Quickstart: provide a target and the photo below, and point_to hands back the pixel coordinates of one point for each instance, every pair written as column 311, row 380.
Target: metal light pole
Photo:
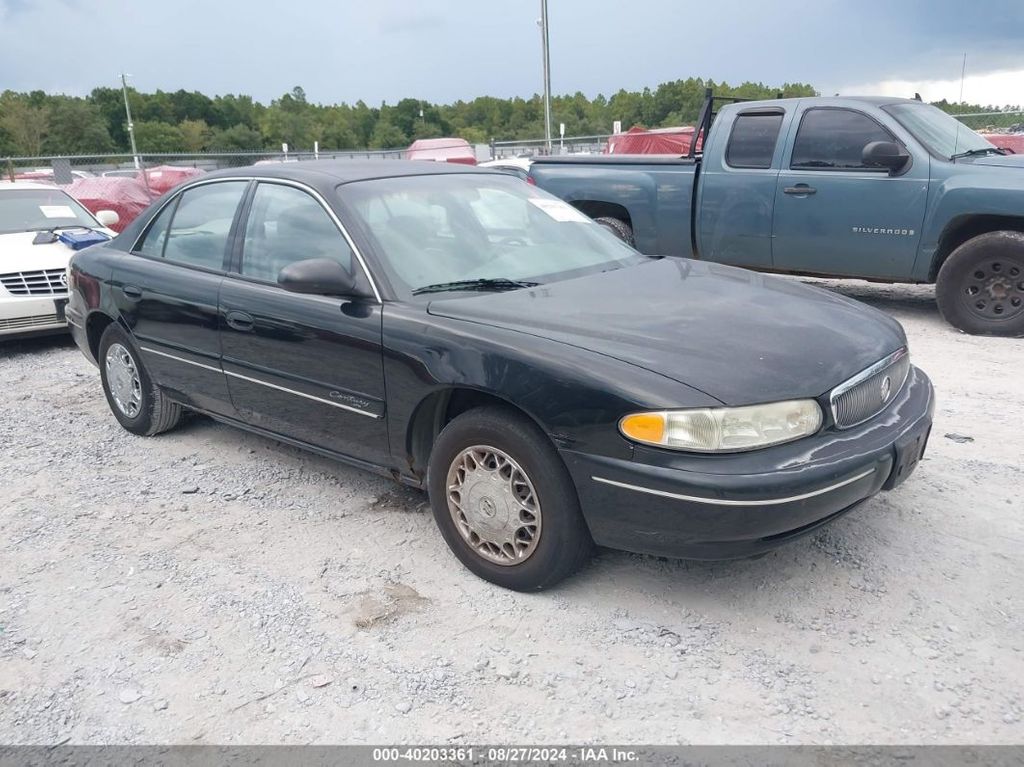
column 131, row 125
column 546, row 48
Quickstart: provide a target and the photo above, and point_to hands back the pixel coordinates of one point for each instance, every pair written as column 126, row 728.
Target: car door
column 834, row 215
column 306, row 367
column 737, row 191
column 168, row 290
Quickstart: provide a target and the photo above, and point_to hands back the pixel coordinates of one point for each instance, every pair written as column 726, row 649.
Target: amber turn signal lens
column 644, row 427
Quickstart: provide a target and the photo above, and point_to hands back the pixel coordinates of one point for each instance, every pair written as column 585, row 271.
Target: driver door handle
column 240, row 321
column 131, row 292
column 800, row 189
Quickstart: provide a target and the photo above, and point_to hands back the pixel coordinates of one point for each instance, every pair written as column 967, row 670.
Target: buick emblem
column 885, row 389
column 64, row 279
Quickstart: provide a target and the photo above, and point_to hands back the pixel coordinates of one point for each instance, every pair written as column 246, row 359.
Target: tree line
column 37, row 123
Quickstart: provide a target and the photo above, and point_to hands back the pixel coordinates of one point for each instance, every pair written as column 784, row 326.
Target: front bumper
column 731, row 506
column 31, row 315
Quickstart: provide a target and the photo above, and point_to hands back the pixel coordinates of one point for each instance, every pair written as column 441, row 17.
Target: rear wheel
column 136, row 402
column 504, row 501
column 980, row 288
column 618, row 227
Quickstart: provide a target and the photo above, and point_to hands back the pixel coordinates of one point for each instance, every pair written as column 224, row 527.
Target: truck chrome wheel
column 994, row 289
column 494, row 505
column 123, row 380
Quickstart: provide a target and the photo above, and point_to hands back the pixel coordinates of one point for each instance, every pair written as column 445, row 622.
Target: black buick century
column 463, row 332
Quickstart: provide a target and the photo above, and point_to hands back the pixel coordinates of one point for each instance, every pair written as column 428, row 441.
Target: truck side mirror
column 885, row 154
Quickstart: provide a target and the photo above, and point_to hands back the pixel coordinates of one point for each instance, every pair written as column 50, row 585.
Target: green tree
column 388, row 136
column 237, row 137
column 195, row 135
column 76, row 127
column 158, row 137
column 26, row 126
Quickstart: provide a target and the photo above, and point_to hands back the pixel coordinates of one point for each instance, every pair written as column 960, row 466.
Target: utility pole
column 546, row 49
column 131, row 125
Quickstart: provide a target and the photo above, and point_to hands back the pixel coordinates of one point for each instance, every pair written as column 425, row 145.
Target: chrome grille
column 867, row 394
column 45, row 282
column 29, row 322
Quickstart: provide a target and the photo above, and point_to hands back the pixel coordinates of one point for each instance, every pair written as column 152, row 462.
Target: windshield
column 942, row 134
column 31, row 210
column 490, row 230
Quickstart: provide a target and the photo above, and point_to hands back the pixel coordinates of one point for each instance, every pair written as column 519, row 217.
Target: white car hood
column 18, row 254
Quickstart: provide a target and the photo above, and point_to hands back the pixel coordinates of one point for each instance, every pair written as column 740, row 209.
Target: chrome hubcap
column 123, row 380
column 494, row 505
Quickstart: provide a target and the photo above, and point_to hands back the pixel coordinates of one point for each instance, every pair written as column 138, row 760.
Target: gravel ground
column 210, row 586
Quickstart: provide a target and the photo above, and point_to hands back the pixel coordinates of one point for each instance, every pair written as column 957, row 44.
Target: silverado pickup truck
column 883, row 189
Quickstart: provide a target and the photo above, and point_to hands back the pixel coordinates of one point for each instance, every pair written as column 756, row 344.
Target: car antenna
column 960, row 106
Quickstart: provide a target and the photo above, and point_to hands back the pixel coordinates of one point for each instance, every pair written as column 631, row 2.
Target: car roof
column 317, row 172
column 877, row 101
column 29, row 185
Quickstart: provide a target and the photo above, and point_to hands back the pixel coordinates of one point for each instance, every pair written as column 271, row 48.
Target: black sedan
column 466, row 333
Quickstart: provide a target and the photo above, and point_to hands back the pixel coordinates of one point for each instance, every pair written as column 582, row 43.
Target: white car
column 514, row 166
column 33, row 261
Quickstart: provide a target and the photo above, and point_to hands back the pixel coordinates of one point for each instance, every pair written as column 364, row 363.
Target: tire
column 553, row 546
column 980, row 287
column 136, row 402
column 619, row 228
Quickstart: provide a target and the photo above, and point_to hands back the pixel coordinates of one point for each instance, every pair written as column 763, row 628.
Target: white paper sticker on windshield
column 558, row 210
column 56, row 211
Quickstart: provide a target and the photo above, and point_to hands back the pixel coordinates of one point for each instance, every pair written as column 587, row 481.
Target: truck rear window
column 752, row 142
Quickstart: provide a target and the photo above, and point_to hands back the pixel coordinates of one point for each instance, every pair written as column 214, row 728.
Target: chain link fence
column 993, row 122
column 538, row 147
column 65, row 168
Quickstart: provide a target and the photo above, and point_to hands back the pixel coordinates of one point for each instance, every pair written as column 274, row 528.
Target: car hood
column 998, row 160
column 18, row 254
column 738, row 336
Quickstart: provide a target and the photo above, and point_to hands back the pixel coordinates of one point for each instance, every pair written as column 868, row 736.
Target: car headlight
column 727, row 429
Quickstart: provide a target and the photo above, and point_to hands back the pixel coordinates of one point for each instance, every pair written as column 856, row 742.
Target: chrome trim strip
column 862, row 376
column 285, row 182
column 724, row 502
column 261, row 383
column 303, row 394
column 181, row 359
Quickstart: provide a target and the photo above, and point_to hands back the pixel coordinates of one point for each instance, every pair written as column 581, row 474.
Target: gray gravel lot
column 213, row 586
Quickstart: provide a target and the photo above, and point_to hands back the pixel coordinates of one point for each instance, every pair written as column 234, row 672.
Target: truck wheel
column 618, row 227
column 980, row 288
column 504, row 501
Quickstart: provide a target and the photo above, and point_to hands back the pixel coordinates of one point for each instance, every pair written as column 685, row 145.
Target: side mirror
column 318, row 276
column 108, row 217
column 885, row 154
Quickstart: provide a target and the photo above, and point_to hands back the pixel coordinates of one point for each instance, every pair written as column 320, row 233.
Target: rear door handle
column 240, row 321
column 800, row 189
column 132, row 293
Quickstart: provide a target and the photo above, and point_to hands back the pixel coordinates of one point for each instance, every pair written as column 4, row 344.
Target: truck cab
column 882, row 189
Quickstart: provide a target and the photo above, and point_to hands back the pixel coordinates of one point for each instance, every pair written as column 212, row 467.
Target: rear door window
column 753, row 138
column 833, row 139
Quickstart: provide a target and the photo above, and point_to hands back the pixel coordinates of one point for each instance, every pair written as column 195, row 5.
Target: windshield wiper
column 490, row 283
column 973, row 152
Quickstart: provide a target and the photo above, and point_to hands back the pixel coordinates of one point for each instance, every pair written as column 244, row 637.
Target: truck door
column 737, row 190
column 833, row 214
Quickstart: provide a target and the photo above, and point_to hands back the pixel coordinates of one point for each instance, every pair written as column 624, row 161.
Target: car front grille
column 19, row 323
column 869, row 392
column 45, row 282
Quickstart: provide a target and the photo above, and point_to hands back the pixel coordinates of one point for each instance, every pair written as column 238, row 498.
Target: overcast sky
column 444, row 50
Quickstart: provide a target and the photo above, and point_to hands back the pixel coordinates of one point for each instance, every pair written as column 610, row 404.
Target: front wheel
column 136, row 402
column 980, row 287
column 504, row 501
